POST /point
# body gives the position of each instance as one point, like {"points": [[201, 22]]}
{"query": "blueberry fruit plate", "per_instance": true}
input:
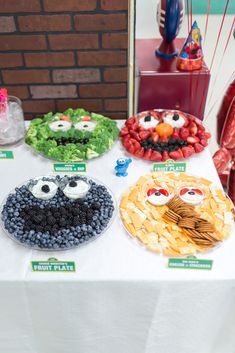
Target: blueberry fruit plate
{"points": [[57, 212]]}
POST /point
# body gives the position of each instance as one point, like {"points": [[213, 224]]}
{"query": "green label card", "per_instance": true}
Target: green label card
{"points": [[69, 168], [53, 265], [169, 166], [6, 154], [190, 263]]}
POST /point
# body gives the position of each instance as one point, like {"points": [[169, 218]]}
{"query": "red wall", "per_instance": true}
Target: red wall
{"points": [[57, 54]]}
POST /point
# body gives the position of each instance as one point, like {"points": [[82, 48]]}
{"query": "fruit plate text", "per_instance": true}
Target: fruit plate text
{"points": [[53, 265], [170, 166]]}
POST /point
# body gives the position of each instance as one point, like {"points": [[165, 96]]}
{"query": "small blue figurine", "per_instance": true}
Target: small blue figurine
{"points": [[122, 165]]}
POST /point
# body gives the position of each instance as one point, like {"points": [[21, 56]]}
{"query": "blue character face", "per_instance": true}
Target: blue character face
{"points": [[121, 161]]}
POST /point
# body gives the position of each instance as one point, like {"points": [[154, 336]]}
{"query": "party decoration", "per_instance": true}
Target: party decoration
{"points": [[226, 138], [170, 15], [191, 56]]}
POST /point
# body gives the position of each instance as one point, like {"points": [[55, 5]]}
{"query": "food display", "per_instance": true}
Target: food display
{"points": [[72, 136], [57, 213], [176, 214], [159, 135]]}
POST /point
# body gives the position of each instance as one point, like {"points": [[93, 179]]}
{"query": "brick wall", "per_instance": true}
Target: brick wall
{"points": [[57, 54]]}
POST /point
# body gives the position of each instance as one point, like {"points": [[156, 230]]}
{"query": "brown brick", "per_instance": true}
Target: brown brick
{"points": [[38, 106], [102, 58], [25, 76], [46, 91], [10, 60], [100, 22], [73, 41], [37, 23], [115, 104], [76, 75], [116, 115], [92, 105], [7, 24], [69, 5], [102, 90], [21, 92], [118, 74], [115, 40], [52, 59], [22, 42], [16, 6], [113, 5]]}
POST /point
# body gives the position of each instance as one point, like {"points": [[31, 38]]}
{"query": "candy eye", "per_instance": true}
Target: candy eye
{"points": [[44, 189], [85, 126], [148, 122], [191, 195], [158, 197], [60, 125], [76, 189], [176, 119]]}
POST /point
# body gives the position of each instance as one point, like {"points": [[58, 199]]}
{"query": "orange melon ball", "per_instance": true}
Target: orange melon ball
{"points": [[164, 129]]}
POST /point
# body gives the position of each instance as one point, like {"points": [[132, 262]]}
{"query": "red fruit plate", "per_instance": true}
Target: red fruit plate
{"points": [[158, 135]]}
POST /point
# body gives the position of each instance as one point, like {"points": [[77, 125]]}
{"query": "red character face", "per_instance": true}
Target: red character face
{"points": [[191, 195], [157, 196]]}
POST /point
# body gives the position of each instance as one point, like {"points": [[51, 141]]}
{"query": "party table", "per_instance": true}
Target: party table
{"points": [[122, 298]]}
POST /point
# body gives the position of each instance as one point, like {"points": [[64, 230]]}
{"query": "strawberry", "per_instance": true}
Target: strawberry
{"points": [[207, 135], [126, 140], [135, 135], [165, 156], [193, 128], [155, 136], [144, 134], [188, 151], [175, 134], [176, 155], [130, 121], [124, 131], [134, 126], [201, 128], [156, 156], [184, 133], [198, 147], [187, 122], [148, 154], [131, 149], [135, 143], [163, 139], [139, 152], [193, 139], [203, 142]]}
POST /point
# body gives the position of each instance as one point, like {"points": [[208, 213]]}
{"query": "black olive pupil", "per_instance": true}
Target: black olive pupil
{"points": [[175, 117], [85, 125], [72, 184], [60, 125], [147, 118], [157, 193], [191, 193], [45, 188]]}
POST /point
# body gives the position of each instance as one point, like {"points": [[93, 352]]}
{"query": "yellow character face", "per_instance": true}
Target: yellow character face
{"points": [[176, 214]]}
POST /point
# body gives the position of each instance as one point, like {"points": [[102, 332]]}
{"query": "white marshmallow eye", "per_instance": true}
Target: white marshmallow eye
{"points": [[174, 119], [191, 195], [76, 189], [158, 197], [44, 189], [60, 125], [148, 122], [85, 126]]}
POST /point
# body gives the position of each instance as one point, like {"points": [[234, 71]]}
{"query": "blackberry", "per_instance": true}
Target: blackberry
{"points": [[45, 188], [147, 118]]}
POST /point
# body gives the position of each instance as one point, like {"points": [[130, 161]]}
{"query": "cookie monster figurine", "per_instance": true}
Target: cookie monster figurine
{"points": [[122, 165]]}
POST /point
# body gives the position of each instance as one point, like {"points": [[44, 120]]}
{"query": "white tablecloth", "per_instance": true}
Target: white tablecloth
{"points": [[122, 298]]}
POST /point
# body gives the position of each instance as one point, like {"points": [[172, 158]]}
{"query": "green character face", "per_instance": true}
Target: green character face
{"points": [[74, 135]]}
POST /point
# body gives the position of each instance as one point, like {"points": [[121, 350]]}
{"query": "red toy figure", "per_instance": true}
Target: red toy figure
{"points": [[224, 158]]}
